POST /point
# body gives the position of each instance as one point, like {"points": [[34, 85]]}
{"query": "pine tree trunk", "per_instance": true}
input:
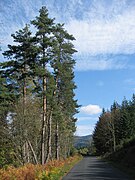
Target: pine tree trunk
{"points": [[24, 95], [25, 150], [43, 130], [114, 139], [49, 145], [57, 126], [26, 147], [57, 140]]}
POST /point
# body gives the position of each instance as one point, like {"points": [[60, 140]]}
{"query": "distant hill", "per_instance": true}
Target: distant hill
{"points": [[82, 141]]}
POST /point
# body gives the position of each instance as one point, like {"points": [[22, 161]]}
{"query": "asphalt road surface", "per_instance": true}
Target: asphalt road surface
{"points": [[93, 168]]}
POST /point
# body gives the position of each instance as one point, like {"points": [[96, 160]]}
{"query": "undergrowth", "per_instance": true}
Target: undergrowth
{"points": [[53, 170]]}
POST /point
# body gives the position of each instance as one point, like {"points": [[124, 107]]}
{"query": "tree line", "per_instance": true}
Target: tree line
{"points": [[37, 104], [115, 127]]}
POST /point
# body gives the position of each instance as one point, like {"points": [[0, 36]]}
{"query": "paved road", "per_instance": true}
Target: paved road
{"points": [[92, 168]]}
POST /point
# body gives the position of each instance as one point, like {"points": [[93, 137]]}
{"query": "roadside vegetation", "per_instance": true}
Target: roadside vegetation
{"points": [[53, 170], [114, 135]]}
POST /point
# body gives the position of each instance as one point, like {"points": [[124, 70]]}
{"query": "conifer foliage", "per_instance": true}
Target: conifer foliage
{"points": [[115, 127], [37, 90]]}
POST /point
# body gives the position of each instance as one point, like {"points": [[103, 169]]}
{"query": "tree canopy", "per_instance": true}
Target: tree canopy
{"points": [[37, 104]]}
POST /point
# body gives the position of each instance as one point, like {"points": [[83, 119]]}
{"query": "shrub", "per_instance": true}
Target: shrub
{"points": [[53, 170]]}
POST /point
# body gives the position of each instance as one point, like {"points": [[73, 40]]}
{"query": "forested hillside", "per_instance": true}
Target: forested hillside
{"points": [[37, 104], [114, 134], [82, 141]]}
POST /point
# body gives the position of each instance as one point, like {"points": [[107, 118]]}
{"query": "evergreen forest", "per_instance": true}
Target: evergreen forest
{"points": [[37, 99], [114, 134]]}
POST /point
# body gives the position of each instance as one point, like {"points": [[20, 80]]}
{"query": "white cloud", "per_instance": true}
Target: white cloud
{"points": [[100, 27], [85, 64], [88, 62], [101, 35], [87, 118], [91, 109], [83, 130], [106, 28]]}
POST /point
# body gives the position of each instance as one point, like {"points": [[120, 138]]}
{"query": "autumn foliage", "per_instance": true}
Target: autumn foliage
{"points": [[53, 170]]}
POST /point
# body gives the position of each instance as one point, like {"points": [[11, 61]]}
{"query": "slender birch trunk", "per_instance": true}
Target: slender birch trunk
{"points": [[33, 152]]}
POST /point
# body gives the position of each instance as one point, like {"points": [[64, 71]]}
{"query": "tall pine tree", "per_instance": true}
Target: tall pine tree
{"points": [[43, 38]]}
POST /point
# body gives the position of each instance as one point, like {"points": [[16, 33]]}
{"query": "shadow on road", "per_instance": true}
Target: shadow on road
{"points": [[93, 168]]}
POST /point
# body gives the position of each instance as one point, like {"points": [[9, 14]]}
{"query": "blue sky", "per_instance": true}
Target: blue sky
{"points": [[105, 40]]}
